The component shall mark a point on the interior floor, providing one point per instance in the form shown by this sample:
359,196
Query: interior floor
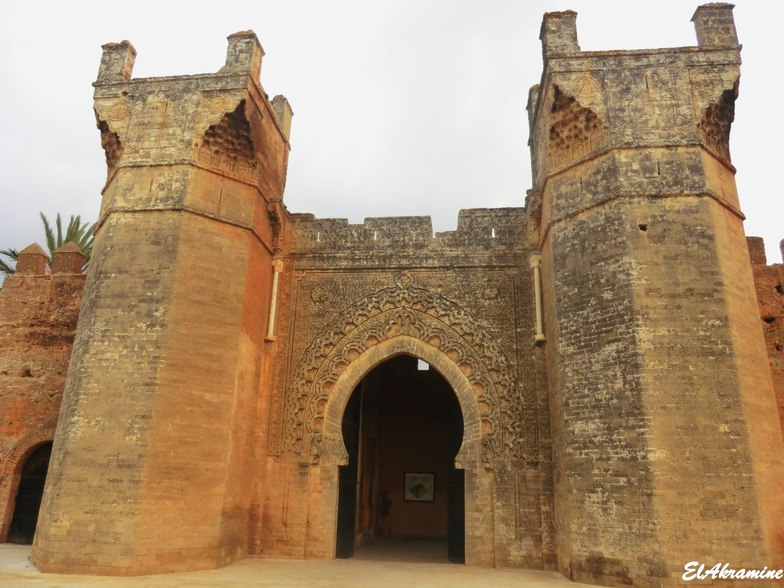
402,549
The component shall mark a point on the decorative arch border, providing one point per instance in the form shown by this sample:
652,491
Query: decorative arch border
479,481
419,314
10,468
471,450
25,446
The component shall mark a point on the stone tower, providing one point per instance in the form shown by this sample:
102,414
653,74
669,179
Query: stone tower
175,337
665,439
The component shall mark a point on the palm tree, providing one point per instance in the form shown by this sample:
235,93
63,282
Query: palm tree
12,255
80,233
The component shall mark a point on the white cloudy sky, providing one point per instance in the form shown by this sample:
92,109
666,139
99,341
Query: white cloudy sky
400,107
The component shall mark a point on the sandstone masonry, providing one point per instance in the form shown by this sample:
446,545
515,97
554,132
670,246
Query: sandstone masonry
614,347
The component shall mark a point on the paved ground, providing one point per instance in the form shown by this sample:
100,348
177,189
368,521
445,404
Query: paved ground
378,571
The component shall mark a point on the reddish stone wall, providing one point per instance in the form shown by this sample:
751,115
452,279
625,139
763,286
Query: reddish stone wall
769,282
38,315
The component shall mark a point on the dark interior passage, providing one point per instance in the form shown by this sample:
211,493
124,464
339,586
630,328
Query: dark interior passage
402,428
28,496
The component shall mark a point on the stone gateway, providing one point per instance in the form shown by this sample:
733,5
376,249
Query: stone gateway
591,383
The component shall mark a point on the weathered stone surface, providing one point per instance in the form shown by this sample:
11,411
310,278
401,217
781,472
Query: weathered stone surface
222,338
38,316
769,282
659,380
461,297
163,389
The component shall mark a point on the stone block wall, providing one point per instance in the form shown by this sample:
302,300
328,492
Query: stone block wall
769,282
157,435
464,293
658,374
39,310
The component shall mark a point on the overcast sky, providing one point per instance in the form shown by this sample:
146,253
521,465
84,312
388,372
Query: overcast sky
400,107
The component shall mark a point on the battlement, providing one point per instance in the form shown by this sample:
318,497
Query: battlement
757,250
212,144
243,55
559,34
644,78
223,121
117,61
43,297
33,261
650,121
477,228
713,24
40,293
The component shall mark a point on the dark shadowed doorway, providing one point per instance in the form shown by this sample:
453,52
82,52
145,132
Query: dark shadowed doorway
400,496
28,496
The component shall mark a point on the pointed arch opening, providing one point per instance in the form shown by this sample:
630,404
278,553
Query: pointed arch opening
402,320
27,499
400,495
464,476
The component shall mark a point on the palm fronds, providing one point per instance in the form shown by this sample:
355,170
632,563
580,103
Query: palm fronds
80,233
12,255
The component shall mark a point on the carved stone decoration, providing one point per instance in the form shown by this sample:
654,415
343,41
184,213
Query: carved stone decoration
662,101
423,315
319,294
587,87
228,145
119,111
584,87
575,131
275,211
717,121
491,292
112,146
404,279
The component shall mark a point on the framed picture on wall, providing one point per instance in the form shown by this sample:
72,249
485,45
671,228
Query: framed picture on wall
419,487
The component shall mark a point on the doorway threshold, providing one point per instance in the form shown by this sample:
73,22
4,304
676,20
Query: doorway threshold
403,549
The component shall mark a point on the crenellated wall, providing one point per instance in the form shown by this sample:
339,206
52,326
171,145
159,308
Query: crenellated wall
477,228
466,293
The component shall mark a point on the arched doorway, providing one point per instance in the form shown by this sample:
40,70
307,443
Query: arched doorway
330,384
400,495
28,495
